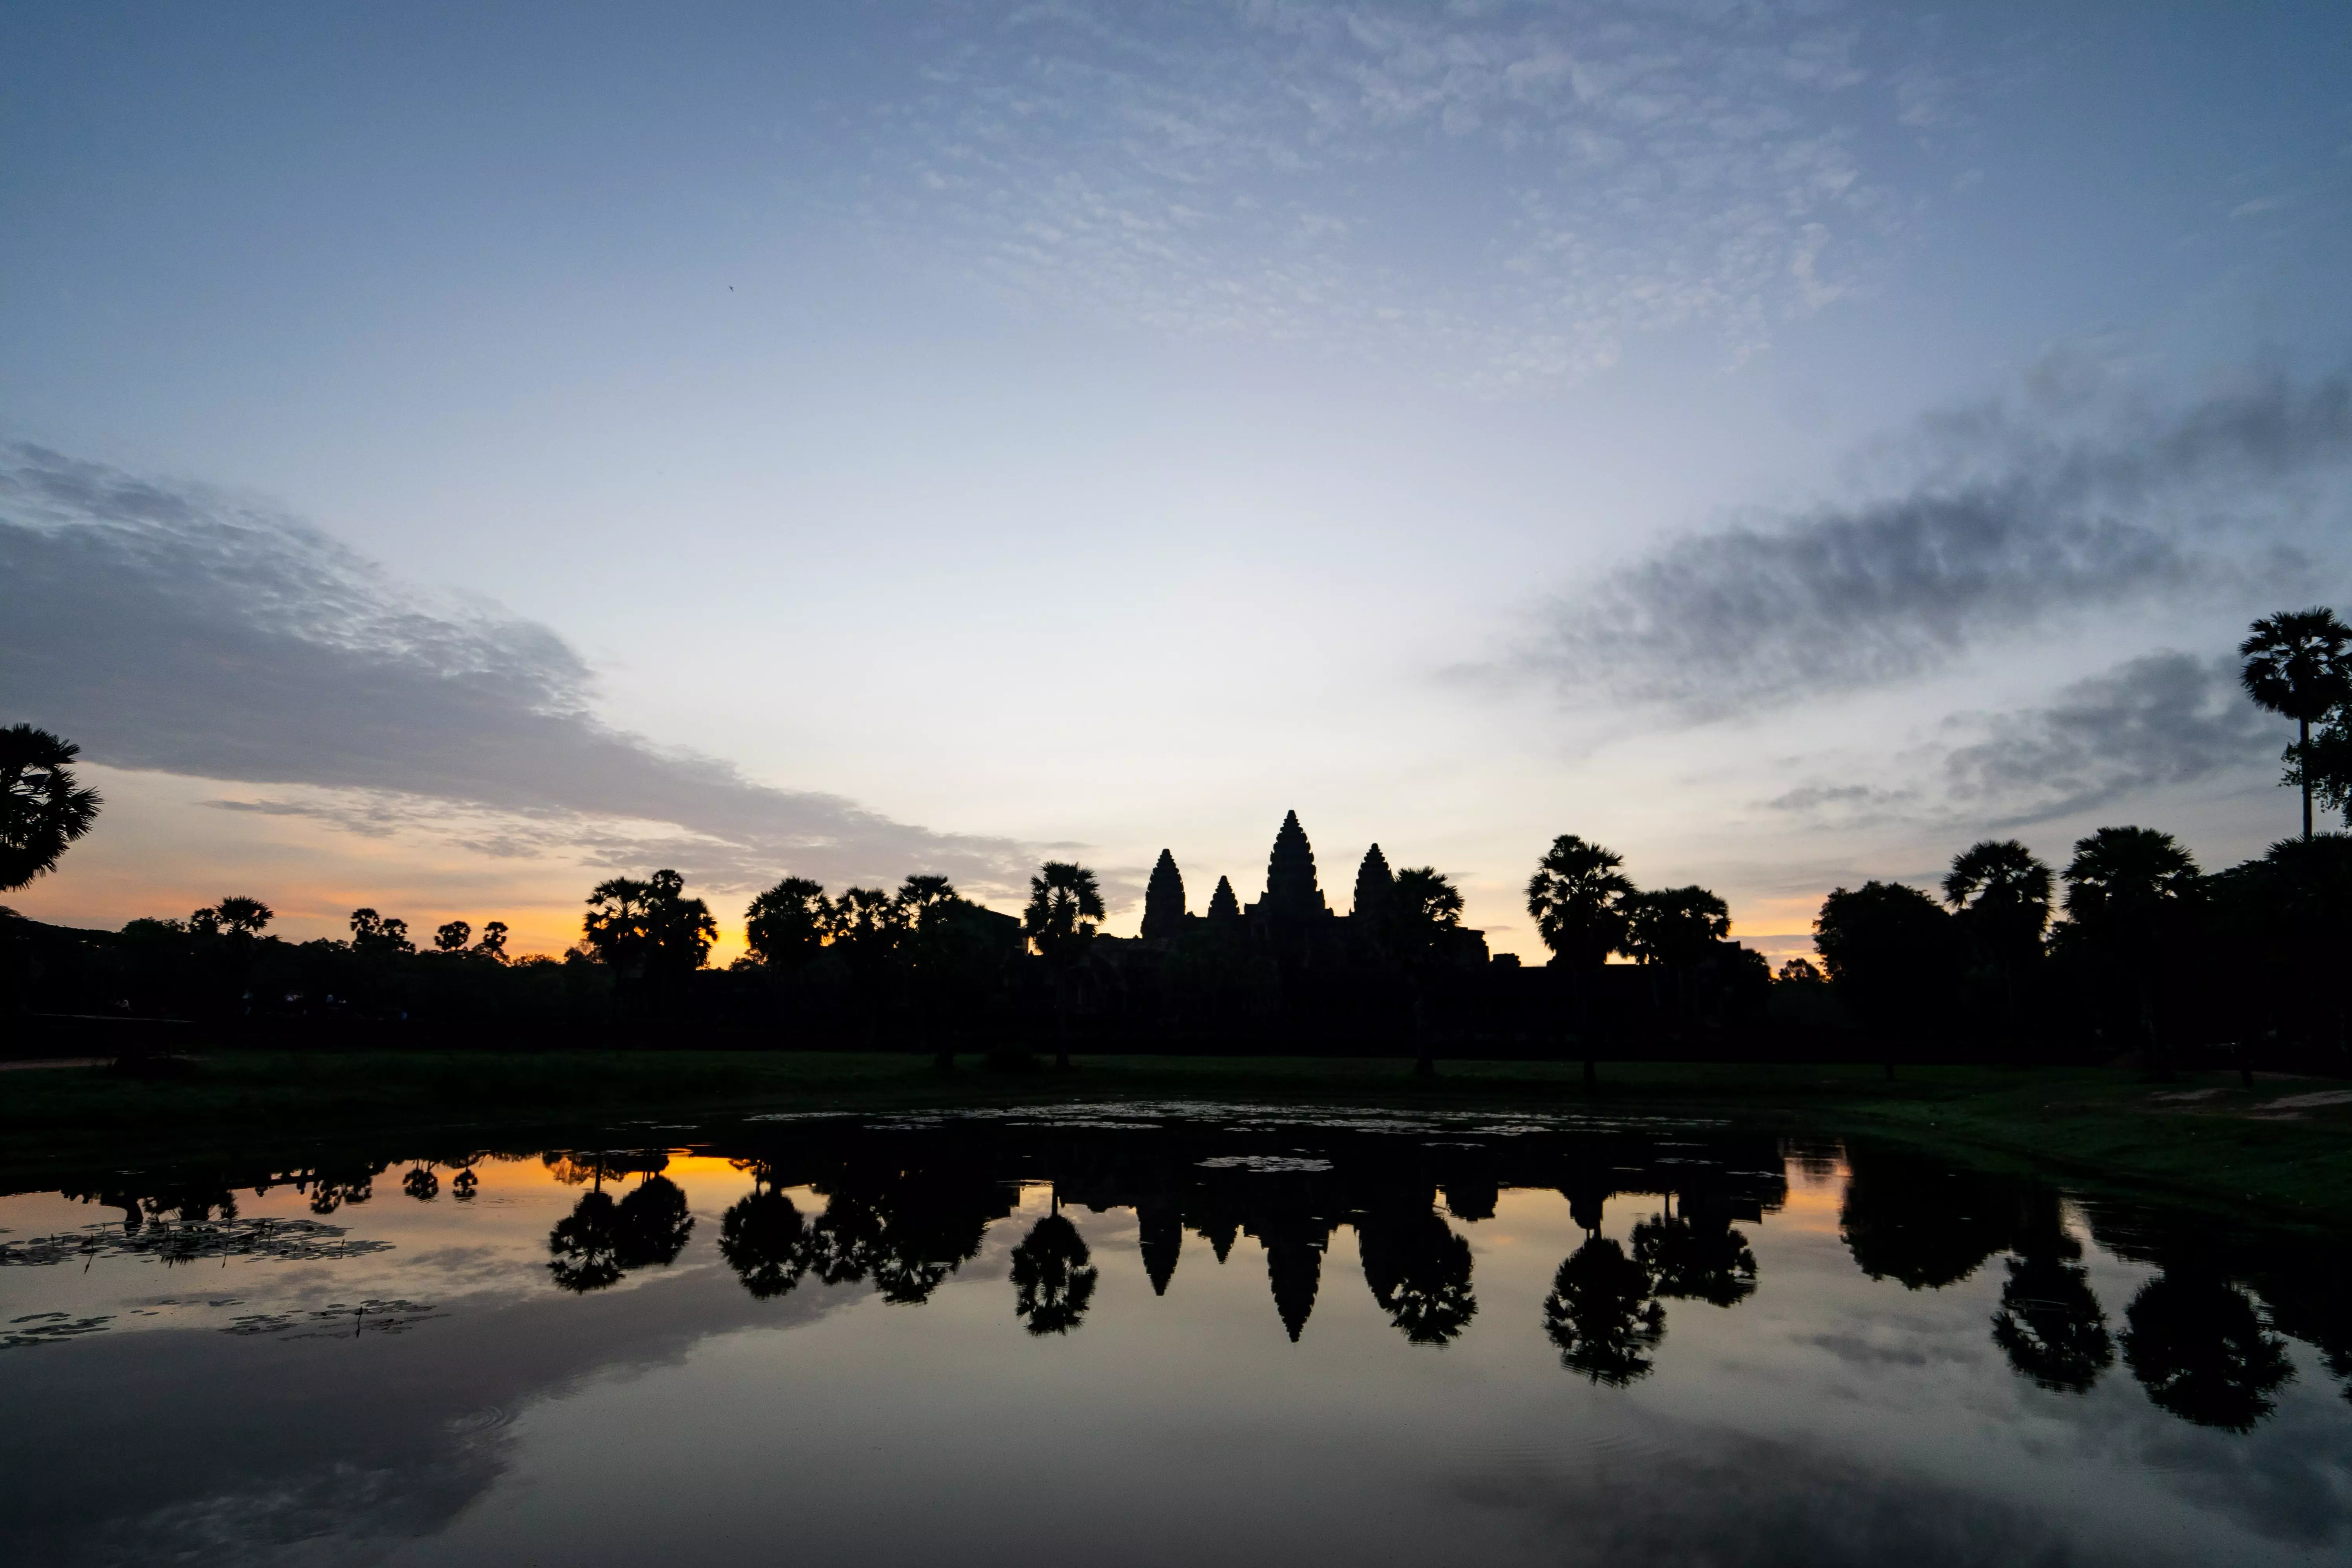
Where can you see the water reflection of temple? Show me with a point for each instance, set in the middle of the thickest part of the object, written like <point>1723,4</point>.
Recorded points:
<point>912,1207</point>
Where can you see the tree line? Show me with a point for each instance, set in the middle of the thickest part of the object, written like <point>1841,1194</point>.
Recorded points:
<point>2130,946</point>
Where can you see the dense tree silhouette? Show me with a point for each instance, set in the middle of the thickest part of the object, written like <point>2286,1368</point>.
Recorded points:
<point>1424,909</point>
<point>1917,1220</point>
<point>237,916</point>
<point>2051,1325</point>
<point>1052,1283</point>
<point>649,933</point>
<point>1600,1317</point>
<point>1673,929</point>
<point>654,1224</point>
<point>1419,1272</point>
<point>1064,902</point>
<point>1891,954</point>
<point>584,1248</point>
<point>379,935</point>
<point>1699,1258</point>
<point>2198,1346</point>
<point>788,925</point>
<point>764,1240</point>
<point>42,809</point>
<point>2129,893</point>
<point>2000,891</point>
<point>2297,665</point>
<point>452,937</point>
<point>493,942</point>
<point>1578,898</point>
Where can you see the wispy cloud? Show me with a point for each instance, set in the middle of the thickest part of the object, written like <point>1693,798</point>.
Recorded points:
<point>1515,189</point>
<point>2163,718</point>
<point>2013,519</point>
<point>2160,721</point>
<point>175,628</point>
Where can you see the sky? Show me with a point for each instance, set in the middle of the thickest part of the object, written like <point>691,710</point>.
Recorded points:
<point>452,455</point>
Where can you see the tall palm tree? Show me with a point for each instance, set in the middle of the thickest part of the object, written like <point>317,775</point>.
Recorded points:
<point>2002,890</point>
<point>1578,900</point>
<point>42,810</point>
<point>1064,902</point>
<point>1423,906</point>
<point>2126,887</point>
<point>2296,667</point>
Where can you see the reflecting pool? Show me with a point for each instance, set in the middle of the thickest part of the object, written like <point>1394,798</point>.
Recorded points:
<point>1157,1334</point>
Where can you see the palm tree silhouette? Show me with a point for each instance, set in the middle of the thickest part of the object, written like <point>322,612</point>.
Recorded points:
<point>1419,1272</point>
<point>1051,1281</point>
<point>2198,1347</point>
<point>789,923</point>
<point>1423,907</point>
<point>1064,902</point>
<point>2001,889</point>
<point>2296,667</point>
<point>42,810</point>
<point>1600,1315</point>
<point>2124,889</point>
<point>1577,899</point>
<point>764,1240</point>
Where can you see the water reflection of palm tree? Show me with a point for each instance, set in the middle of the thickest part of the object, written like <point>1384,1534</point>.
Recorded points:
<point>1051,1280</point>
<point>1419,1272</point>
<point>2051,1325</point>
<point>584,1248</point>
<point>601,1240</point>
<point>2197,1345</point>
<point>763,1238</point>
<point>1701,1259</point>
<point>1601,1316</point>
<point>654,1224</point>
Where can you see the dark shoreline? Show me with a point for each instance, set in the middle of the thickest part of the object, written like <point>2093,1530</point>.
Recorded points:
<point>2201,1139</point>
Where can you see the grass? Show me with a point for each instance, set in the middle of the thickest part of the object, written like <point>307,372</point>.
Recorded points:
<point>2102,1129</point>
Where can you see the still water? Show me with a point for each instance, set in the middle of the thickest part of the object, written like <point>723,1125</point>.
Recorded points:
<point>1156,1334</point>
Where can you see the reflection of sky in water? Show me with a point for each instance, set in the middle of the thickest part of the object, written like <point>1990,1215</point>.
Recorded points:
<point>475,1413</point>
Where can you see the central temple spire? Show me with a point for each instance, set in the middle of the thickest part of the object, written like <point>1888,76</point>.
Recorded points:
<point>1290,887</point>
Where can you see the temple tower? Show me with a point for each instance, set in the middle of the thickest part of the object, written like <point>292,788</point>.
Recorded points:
<point>1223,907</point>
<point>1163,899</point>
<point>1375,886</point>
<point>1290,886</point>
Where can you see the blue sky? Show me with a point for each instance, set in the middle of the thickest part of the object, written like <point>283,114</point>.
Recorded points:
<point>1783,442</point>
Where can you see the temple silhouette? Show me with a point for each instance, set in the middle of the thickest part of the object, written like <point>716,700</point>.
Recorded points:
<point>1292,923</point>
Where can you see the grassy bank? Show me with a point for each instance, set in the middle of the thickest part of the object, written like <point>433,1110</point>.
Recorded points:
<point>2202,1139</point>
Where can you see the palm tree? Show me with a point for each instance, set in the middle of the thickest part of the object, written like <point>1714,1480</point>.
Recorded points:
<point>1424,906</point>
<point>2295,667</point>
<point>2002,891</point>
<point>1064,902</point>
<point>2126,889</point>
<point>789,923</point>
<point>1578,900</point>
<point>42,810</point>
<point>926,904</point>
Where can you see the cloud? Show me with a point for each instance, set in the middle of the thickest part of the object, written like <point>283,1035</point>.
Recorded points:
<point>180,629</point>
<point>2162,720</point>
<point>1513,191</point>
<point>2013,520</point>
